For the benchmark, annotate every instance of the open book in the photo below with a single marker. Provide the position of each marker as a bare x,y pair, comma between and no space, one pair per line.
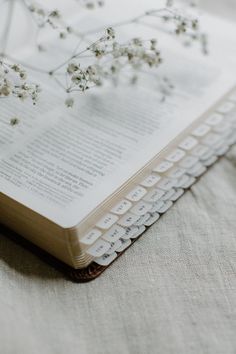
84,184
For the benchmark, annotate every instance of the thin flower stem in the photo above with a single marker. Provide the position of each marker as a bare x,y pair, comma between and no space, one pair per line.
124,23
28,66
110,57
59,83
137,19
77,47
71,90
73,57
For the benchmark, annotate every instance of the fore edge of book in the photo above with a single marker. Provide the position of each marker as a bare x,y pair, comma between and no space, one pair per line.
74,234
64,243
42,232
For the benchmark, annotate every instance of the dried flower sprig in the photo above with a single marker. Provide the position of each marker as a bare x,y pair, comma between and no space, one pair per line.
50,18
184,24
110,58
106,58
13,82
172,19
44,17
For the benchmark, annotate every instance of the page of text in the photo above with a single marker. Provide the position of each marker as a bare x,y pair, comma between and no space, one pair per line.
64,163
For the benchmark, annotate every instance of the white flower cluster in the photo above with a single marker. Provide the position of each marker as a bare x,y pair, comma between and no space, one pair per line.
184,25
91,4
106,59
109,59
51,18
13,83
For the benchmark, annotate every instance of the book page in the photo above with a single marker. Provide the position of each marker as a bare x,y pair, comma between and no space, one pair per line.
64,163
68,166
30,118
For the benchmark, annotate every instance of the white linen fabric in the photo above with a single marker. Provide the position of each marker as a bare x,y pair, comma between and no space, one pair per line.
174,291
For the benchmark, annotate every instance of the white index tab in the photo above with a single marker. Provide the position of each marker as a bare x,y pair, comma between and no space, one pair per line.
125,244
189,161
189,183
201,130
107,221
153,218
165,207
179,192
130,232
122,207
189,143
91,237
168,195
154,195
141,208
150,181
157,206
114,247
226,107
128,220
99,248
163,167
200,150
167,183
141,230
106,259
223,128
141,221
214,119
212,139
176,173
176,155
114,234
136,194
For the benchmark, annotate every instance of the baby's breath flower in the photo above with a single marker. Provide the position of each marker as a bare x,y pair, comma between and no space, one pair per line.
182,24
5,88
69,102
51,18
72,67
91,4
54,14
14,121
11,77
110,59
63,35
110,33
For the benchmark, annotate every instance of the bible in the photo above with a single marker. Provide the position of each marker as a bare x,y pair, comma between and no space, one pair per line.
81,185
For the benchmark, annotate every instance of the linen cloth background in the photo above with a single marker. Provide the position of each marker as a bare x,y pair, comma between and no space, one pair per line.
174,291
